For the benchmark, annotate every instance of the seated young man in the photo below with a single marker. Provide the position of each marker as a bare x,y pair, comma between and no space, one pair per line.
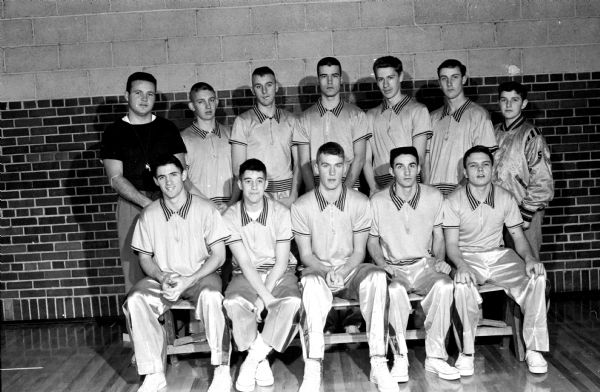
180,239
474,216
407,240
331,224
263,277
523,162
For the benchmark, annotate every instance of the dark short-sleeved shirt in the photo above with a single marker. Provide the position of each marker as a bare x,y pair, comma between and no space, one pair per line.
137,145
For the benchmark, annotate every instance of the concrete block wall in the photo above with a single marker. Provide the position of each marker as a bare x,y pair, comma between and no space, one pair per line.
41,41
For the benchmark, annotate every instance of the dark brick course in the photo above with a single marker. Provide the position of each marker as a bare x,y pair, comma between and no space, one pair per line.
59,241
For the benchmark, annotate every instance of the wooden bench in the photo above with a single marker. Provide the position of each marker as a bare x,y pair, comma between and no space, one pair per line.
509,327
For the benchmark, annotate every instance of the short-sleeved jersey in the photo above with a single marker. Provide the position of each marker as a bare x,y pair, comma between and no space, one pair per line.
331,226
392,127
345,124
270,140
137,144
208,160
405,227
522,165
453,135
480,224
179,241
259,236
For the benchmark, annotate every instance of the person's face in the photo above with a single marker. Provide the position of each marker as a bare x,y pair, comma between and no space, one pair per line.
141,97
253,185
388,81
511,104
479,169
331,170
264,89
405,170
169,179
204,104
451,82
330,80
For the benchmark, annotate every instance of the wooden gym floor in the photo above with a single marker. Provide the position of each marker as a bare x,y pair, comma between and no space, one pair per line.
90,357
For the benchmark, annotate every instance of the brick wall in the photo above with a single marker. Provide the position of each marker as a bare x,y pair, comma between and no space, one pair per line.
53,49
59,242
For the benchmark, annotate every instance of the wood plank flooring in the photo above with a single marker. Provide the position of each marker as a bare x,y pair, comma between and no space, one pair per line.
91,357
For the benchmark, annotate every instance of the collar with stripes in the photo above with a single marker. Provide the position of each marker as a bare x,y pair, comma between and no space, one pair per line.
202,133
397,107
339,203
458,112
182,212
489,200
336,110
263,117
515,124
262,218
398,202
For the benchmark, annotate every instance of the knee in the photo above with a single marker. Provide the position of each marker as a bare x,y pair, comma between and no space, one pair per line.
444,286
211,296
311,280
377,276
395,289
461,290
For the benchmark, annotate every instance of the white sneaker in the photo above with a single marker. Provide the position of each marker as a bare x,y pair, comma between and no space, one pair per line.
264,374
247,374
380,375
465,364
536,362
441,368
311,381
399,371
221,380
153,382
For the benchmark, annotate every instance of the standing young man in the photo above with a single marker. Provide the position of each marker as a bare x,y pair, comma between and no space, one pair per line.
180,239
128,146
406,239
265,132
331,224
474,217
523,162
208,157
457,126
398,121
263,277
331,120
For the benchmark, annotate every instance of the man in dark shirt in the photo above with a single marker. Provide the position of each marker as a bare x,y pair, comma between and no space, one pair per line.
128,146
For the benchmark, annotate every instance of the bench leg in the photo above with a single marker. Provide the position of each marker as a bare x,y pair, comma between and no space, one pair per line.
515,319
170,332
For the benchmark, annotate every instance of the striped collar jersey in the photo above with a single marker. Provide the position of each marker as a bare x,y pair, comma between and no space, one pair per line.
480,223
270,140
331,226
346,124
392,127
208,161
260,236
453,135
405,227
179,241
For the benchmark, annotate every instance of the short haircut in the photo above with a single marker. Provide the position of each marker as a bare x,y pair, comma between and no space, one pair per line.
452,63
201,86
329,61
145,76
513,86
163,160
476,149
407,150
387,62
253,164
331,148
262,71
